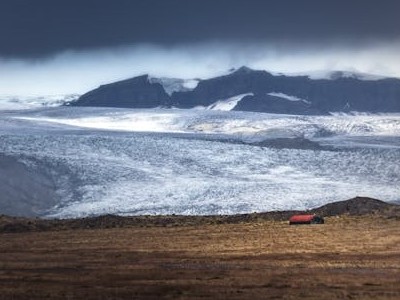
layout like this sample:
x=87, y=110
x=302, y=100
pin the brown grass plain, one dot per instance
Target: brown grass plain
x=349, y=257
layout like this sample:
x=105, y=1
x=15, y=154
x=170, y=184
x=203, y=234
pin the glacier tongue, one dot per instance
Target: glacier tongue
x=228, y=104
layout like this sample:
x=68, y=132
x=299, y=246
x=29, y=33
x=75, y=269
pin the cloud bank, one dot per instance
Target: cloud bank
x=79, y=71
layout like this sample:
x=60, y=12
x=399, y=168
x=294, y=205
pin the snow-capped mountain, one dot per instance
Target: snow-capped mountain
x=80, y=161
x=264, y=92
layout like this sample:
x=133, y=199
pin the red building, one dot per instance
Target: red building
x=306, y=219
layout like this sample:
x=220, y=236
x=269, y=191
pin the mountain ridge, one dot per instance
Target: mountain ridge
x=270, y=93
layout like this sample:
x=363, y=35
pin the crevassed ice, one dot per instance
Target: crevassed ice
x=131, y=173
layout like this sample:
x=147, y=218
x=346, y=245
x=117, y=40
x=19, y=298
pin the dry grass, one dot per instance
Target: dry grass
x=348, y=257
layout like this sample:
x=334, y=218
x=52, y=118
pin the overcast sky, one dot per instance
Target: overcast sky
x=57, y=46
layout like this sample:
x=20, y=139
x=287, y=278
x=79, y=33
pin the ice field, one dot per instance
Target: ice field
x=131, y=162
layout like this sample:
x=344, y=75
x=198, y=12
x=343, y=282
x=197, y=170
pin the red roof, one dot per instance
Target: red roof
x=301, y=218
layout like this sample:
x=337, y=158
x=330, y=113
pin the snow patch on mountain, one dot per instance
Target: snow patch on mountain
x=172, y=85
x=288, y=97
x=228, y=104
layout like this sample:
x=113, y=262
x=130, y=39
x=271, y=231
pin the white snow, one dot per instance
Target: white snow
x=140, y=122
x=288, y=97
x=190, y=84
x=220, y=122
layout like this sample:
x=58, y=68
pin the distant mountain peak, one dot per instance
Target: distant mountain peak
x=243, y=70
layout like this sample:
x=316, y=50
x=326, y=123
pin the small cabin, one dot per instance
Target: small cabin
x=306, y=219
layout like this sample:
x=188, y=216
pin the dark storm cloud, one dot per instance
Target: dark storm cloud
x=34, y=28
x=72, y=46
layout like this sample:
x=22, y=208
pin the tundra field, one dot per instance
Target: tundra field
x=349, y=257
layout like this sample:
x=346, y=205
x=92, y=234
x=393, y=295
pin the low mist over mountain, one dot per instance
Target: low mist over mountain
x=252, y=90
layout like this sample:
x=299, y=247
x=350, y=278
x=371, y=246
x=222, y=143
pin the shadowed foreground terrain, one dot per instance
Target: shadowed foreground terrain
x=356, y=254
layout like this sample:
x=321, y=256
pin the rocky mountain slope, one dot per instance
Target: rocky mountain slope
x=253, y=90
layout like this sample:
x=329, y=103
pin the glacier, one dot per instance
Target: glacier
x=155, y=161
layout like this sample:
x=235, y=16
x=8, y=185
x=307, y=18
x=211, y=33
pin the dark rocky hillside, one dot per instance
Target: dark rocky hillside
x=308, y=96
x=136, y=92
x=356, y=207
